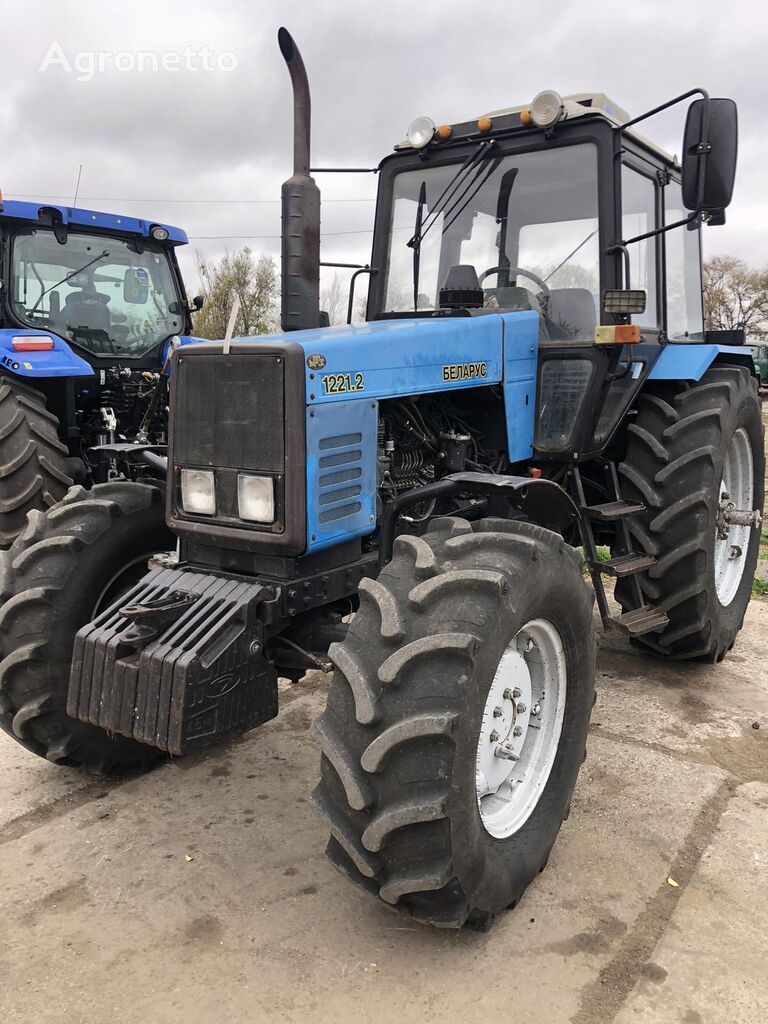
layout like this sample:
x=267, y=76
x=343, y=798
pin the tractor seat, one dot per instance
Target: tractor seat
x=510, y=297
x=87, y=309
x=571, y=312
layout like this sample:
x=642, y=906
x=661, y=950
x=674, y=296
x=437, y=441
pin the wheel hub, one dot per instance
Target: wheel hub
x=735, y=517
x=520, y=728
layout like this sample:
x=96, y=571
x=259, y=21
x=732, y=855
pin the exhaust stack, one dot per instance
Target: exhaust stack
x=300, y=208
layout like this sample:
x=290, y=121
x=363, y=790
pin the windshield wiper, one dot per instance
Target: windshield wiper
x=68, y=277
x=467, y=176
x=416, y=240
x=449, y=192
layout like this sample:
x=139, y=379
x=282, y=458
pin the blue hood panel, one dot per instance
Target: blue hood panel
x=60, y=361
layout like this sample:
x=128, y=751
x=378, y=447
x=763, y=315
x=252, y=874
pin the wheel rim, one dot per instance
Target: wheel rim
x=521, y=727
x=737, y=486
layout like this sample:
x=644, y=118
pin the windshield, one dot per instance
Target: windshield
x=529, y=229
x=98, y=292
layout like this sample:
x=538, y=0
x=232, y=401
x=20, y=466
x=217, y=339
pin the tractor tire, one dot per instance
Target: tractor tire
x=68, y=564
x=682, y=447
x=405, y=733
x=33, y=461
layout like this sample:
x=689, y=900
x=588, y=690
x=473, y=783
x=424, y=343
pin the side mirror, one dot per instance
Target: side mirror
x=197, y=303
x=136, y=286
x=709, y=155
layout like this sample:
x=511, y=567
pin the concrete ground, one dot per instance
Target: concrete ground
x=199, y=893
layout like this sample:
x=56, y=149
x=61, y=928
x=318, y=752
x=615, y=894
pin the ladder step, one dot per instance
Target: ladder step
x=624, y=565
x=640, y=620
x=612, y=510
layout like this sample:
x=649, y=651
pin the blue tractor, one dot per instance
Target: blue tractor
x=90, y=306
x=415, y=503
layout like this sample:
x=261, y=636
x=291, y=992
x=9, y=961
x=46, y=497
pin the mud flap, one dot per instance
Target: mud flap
x=176, y=662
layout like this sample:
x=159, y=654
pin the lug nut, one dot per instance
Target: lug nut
x=517, y=731
x=505, y=752
x=497, y=712
x=522, y=708
x=507, y=695
x=494, y=737
x=517, y=693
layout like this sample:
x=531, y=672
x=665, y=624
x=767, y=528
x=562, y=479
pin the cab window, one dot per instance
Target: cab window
x=638, y=215
x=683, y=270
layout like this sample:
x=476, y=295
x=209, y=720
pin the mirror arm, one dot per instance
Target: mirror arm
x=621, y=247
x=670, y=103
x=703, y=147
x=652, y=234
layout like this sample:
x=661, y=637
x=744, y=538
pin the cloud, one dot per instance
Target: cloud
x=373, y=67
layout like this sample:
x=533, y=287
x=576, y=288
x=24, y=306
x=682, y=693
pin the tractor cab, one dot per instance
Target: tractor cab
x=91, y=304
x=108, y=287
x=562, y=208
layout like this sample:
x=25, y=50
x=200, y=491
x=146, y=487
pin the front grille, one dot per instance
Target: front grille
x=232, y=412
x=241, y=411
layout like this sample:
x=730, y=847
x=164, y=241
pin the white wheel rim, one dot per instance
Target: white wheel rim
x=523, y=715
x=731, y=552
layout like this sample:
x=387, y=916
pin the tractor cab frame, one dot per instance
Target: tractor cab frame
x=501, y=193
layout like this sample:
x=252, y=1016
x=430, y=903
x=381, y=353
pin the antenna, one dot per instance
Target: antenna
x=231, y=325
x=77, y=186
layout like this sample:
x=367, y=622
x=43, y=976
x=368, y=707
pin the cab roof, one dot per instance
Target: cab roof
x=580, y=104
x=77, y=217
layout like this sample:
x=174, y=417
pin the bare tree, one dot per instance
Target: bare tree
x=333, y=300
x=736, y=296
x=253, y=279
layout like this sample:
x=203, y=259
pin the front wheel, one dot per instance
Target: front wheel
x=457, y=718
x=65, y=567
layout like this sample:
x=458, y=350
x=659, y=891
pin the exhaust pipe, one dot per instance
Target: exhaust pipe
x=300, y=259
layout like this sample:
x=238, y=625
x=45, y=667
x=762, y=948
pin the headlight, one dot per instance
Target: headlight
x=421, y=132
x=547, y=108
x=198, y=492
x=256, y=498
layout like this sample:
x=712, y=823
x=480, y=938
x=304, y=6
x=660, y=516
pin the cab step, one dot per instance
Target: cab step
x=613, y=510
x=624, y=565
x=640, y=620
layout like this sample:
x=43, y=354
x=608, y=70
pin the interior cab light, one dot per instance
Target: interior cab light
x=32, y=343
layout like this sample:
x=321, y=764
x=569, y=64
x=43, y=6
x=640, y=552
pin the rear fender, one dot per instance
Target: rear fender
x=691, y=362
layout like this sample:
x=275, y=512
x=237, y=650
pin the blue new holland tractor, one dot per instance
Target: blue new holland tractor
x=402, y=503
x=90, y=304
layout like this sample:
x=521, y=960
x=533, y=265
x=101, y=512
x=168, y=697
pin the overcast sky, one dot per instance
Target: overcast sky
x=172, y=138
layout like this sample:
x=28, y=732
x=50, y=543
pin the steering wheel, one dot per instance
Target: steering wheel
x=514, y=271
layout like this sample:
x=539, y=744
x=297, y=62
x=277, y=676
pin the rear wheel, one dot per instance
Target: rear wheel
x=33, y=461
x=456, y=720
x=695, y=455
x=67, y=565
